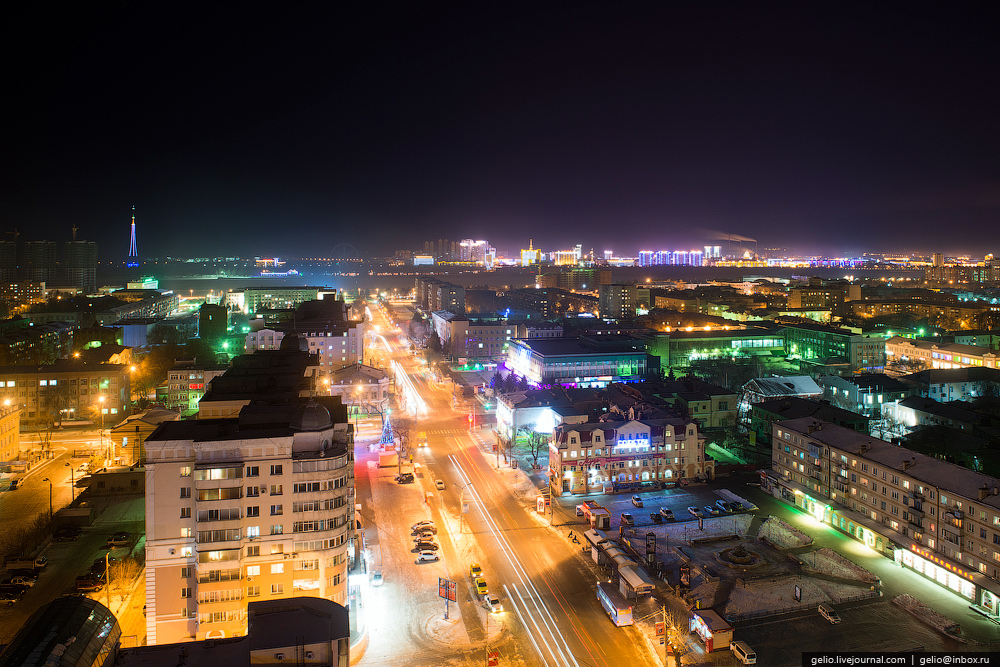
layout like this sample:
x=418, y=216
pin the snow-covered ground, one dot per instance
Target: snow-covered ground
x=779, y=593
x=828, y=561
x=782, y=535
x=929, y=616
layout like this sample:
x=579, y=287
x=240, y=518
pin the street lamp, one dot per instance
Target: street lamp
x=50, y=496
x=72, y=482
x=100, y=401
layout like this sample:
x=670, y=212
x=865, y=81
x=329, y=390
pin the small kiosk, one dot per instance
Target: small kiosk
x=714, y=631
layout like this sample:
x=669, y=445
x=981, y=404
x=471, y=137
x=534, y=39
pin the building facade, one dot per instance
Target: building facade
x=10, y=433
x=187, y=383
x=934, y=517
x=922, y=354
x=587, y=361
x=601, y=457
x=74, y=389
x=260, y=507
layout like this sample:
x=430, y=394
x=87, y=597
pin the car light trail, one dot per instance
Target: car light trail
x=552, y=638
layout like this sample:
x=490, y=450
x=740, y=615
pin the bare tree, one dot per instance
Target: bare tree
x=122, y=575
x=535, y=442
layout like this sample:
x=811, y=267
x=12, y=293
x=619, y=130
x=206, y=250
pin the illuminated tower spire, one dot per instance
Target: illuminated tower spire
x=133, y=254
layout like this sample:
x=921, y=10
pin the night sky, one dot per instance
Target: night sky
x=819, y=127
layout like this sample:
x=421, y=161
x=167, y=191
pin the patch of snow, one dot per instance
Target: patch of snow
x=782, y=535
x=927, y=615
x=828, y=561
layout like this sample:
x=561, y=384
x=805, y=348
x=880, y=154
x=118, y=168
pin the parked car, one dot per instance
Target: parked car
x=425, y=546
x=667, y=513
x=738, y=506
x=637, y=501
x=492, y=603
x=475, y=571
x=439, y=483
x=696, y=512
x=723, y=505
x=656, y=517
x=67, y=534
x=426, y=522
x=13, y=487
x=377, y=578
x=19, y=580
x=405, y=478
x=424, y=536
x=11, y=593
x=712, y=510
x=427, y=557
x=88, y=584
x=119, y=539
x=425, y=529
x=627, y=519
x=481, y=587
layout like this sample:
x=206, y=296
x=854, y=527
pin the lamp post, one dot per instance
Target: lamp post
x=50, y=496
x=72, y=482
x=100, y=401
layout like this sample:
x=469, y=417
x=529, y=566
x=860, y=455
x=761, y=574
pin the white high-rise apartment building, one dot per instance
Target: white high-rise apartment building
x=257, y=507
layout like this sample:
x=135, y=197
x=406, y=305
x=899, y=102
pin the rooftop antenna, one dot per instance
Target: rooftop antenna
x=74, y=231
x=133, y=253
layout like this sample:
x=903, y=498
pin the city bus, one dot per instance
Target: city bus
x=618, y=608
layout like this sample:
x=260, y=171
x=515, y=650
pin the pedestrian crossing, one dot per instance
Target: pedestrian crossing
x=449, y=431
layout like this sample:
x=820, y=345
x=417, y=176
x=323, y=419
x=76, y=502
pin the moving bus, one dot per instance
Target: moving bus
x=618, y=608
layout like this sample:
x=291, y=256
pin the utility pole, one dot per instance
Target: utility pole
x=107, y=579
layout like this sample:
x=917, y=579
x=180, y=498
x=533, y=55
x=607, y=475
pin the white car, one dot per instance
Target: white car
x=419, y=524
x=696, y=512
x=492, y=603
x=377, y=578
x=427, y=557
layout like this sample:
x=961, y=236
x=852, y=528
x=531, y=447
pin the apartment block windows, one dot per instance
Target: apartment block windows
x=276, y=470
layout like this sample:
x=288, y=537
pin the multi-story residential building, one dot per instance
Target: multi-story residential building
x=542, y=330
x=551, y=302
x=188, y=381
x=39, y=344
x=954, y=384
x=710, y=405
x=942, y=313
x=921, y=354
x=604, y=456
x=69, y=387
x=618, y=301
x=40, y=262
x=951, y=274
x=477, y=338
x=260, y=506
x=325, y=330
x=934, y=517
x=834, y=351
x=587, y=361
x=20, y=295
x=251, y=299
x=764, y=415
x=10, y=433
x=80, y=265
x=863, y=394
x=434, y=294
x=977, y=338
x=817, y=296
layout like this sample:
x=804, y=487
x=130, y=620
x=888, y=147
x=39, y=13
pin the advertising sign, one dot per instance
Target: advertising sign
x=447, y=589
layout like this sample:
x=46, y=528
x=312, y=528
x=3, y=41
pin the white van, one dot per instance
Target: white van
x=743, y=653
x=828, y=613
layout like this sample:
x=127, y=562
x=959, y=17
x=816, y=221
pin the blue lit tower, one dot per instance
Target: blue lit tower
x=133, y=254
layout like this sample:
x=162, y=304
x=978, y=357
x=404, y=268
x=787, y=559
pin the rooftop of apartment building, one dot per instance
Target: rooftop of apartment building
x=795, y=385
x=261, y=418
x=871, y=382
x=609, y=424
x=284, y=625
x=72, y=365
x=954, y=348
x=793, y=407
x=949, y=477
x=273, y=373
x=949, y=375
x=556, y=396
x=955, y=410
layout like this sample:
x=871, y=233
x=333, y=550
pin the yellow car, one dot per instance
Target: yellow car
x=475, y=571
x=481, y=587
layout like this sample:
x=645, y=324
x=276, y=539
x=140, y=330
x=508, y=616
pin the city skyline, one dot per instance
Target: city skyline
x=822, y=130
